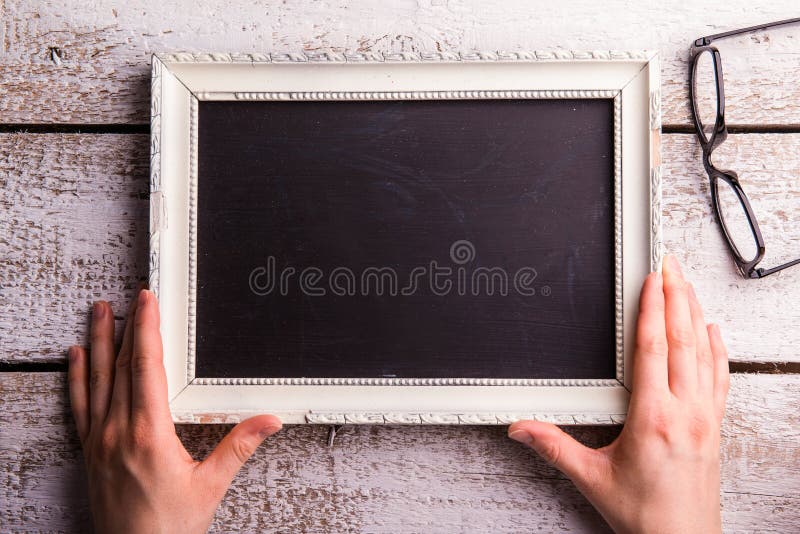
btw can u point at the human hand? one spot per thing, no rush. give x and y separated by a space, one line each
662 473
141 479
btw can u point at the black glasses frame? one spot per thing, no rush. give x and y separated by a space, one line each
747 267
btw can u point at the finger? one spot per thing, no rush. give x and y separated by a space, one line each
78 379
580 463
101 361
148 378
235 449
705 360
650 359
721 372
682 359
121 396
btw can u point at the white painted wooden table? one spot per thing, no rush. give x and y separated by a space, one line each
74 150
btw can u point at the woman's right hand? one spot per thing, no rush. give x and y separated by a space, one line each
662 473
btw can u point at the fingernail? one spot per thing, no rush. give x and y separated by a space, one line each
143 296
98 310
268 430
72 354
673 265
521 436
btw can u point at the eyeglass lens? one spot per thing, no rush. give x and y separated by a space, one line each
705 92
734 217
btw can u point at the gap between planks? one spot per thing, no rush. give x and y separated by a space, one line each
771 368
74 128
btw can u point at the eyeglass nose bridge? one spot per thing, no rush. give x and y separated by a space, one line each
716 173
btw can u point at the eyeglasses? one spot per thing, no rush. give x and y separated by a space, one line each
736 218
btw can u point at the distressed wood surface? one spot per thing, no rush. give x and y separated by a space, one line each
88 61
387 479
759 318
74 209
76 206
75 216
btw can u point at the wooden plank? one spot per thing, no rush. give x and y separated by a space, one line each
76 209
432 479
88 62
758 318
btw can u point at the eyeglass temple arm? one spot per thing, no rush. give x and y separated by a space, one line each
707 40
761 273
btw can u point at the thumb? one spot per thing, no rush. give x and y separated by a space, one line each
237 447
578 462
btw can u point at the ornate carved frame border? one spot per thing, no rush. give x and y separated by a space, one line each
180 81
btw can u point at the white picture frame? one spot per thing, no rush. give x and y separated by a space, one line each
180 81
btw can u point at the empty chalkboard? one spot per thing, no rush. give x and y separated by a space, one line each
415 238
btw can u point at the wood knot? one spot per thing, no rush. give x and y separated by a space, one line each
56 54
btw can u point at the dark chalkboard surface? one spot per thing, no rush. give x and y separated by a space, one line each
463 238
